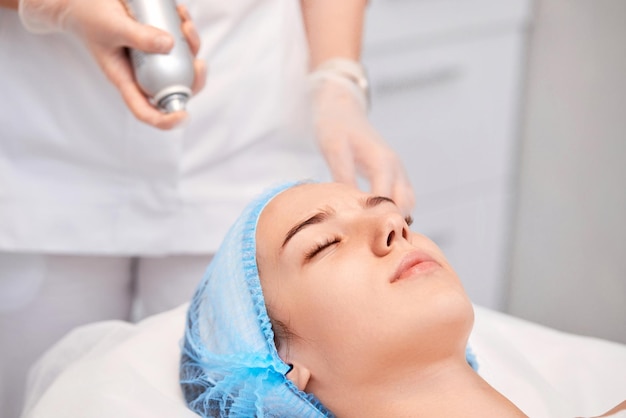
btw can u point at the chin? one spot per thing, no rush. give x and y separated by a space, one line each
453 307
449 317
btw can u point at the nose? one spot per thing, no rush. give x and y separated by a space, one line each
391 228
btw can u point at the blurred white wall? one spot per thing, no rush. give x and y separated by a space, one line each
446 85
568 262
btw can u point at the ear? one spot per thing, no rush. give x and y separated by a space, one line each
299 375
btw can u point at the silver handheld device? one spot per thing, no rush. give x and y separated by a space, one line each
165 78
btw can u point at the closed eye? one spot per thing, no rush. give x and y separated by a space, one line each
318 248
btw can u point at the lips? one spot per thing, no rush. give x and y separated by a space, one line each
414 263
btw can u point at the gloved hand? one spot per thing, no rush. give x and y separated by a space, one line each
106 28
350 144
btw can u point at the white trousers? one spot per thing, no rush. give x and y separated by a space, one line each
42 297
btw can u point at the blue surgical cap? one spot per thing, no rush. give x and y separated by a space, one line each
229 364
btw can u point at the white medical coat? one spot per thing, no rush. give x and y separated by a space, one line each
79 174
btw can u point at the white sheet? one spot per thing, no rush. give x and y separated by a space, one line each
116 369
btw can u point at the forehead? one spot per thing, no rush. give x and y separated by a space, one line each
295 204
308 198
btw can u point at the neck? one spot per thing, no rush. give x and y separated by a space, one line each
449 389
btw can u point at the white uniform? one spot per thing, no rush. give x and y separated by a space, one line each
87 191
79 174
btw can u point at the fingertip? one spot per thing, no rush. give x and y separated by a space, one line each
410 196
382 187
183 12
143 110
343 176
408 208
162 42
345 179
201 66
178 119
201 71
163 121
148 38
406 200
193 38
139 104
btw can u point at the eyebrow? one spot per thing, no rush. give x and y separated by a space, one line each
373 201
323 215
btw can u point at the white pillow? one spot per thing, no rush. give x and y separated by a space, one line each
545 372
112 369
116 369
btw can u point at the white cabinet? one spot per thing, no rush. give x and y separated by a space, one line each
446 92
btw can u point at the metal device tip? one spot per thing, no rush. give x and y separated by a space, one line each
173 102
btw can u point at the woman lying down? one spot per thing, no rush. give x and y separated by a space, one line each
322 302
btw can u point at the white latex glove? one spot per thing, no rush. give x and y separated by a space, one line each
350 144
107 29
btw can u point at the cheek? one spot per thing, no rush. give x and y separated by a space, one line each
329 299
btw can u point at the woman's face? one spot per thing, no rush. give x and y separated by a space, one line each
360 292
